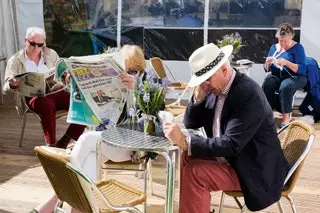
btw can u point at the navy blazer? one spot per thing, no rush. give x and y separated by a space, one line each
248 140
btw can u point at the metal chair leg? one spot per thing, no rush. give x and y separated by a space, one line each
243 209
280 206
221 202
22 129
58 207
238 202
145 188
292 204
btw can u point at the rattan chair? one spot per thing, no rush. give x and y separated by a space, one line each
141 167
296 140
158 67
59 114
75 188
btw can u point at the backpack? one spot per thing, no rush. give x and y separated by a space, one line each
311 103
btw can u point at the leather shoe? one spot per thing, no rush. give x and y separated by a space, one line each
63 142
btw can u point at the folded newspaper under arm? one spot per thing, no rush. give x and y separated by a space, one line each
98 95
34 84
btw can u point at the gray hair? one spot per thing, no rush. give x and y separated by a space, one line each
35 30
285 29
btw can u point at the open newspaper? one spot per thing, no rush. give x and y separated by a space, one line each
97 92
38 83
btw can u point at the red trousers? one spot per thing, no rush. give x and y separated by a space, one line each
199 177
46 108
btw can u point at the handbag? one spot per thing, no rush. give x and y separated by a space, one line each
310 106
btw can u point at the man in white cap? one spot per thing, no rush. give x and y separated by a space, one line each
242 151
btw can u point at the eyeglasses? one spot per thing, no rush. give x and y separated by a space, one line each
33 44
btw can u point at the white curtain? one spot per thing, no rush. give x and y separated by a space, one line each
309 36
8 35
29 14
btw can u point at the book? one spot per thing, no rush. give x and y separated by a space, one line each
97 94
34 84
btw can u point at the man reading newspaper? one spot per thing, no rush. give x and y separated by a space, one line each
25 74
38 83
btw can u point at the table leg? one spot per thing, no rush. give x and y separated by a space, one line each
247 72
170 158
99 161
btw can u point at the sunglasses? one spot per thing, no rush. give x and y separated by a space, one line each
33 44
132 72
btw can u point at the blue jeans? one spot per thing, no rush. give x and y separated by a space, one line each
286 89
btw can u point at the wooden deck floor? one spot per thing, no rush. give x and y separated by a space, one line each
23 184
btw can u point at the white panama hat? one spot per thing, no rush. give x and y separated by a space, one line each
206 60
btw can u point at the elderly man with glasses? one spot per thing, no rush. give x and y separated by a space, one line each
36 57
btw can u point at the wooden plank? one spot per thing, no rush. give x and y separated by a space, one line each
20 171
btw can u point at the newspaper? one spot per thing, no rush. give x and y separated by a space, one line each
97 93
38 83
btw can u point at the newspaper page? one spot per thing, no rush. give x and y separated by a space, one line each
79 111
38 83
97 92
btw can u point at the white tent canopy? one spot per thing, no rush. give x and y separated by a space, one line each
8 38
16 17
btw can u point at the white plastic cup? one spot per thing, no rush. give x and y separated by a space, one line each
166 117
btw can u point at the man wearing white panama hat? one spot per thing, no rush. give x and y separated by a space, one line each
242 151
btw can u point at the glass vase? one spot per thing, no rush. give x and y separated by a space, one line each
149 127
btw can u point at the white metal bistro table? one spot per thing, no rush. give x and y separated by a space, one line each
138 141
243 68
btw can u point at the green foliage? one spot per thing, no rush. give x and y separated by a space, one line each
150 95
233 39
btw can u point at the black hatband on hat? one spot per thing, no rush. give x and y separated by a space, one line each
211 65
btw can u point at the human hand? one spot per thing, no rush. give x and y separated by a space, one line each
67 77
173 132
13 82
201 92
269 59
128 80
267 64
281 62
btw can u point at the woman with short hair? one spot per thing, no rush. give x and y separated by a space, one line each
286 62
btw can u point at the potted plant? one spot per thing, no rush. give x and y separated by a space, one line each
150 96
233 39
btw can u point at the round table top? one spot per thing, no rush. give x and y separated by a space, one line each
136 140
